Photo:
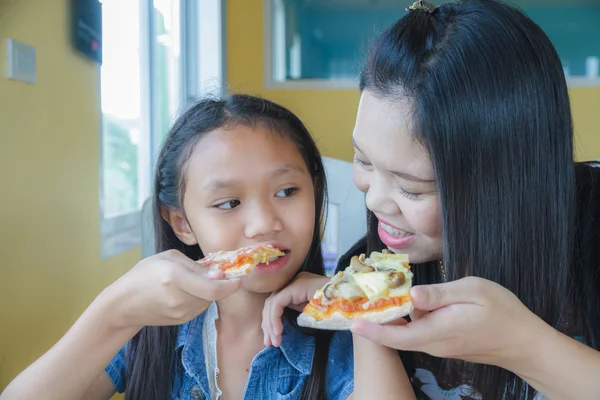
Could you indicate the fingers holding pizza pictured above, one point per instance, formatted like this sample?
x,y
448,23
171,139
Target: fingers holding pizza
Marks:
x,y
295,296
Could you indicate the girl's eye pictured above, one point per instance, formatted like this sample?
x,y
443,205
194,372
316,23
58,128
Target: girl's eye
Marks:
x,y
228,205
410,195
361,162
287,192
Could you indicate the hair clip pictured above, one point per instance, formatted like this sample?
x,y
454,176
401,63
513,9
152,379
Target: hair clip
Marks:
x,y
422,5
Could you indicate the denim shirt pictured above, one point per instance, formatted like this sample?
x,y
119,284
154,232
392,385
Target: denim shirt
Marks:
x,y
275,373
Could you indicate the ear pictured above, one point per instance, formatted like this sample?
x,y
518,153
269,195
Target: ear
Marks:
x,y
180,226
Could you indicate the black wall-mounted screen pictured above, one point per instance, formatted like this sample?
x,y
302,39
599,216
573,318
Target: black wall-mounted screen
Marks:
x,y
86,20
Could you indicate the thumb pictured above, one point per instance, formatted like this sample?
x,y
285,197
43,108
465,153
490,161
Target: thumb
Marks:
x,y
394,336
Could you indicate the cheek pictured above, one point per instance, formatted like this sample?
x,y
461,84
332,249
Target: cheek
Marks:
x,y
425,218
360,179
211,239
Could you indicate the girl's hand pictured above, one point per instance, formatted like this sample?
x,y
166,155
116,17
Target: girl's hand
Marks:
x,y
471,319
165,289
295,296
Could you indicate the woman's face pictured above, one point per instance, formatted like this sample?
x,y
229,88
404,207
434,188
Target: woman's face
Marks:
x,y
395,172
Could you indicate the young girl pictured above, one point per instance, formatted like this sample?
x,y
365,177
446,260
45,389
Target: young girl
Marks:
x,y
464,147
231,173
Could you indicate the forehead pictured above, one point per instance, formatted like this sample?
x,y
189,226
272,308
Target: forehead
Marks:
x,y
384,133
241,152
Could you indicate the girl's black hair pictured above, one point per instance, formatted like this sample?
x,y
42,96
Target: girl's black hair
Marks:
x,y
491,107
152,356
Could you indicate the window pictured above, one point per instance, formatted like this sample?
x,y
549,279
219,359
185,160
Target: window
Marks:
x,y
151,67
321,44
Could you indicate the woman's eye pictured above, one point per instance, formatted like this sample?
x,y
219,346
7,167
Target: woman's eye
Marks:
x,y
287,192
361,162
228,205
410,195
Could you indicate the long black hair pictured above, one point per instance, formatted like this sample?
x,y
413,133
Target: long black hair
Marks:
x,y
491,107
152,353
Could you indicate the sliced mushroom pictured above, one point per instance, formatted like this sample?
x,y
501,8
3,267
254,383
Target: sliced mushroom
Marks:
x,y
329,291
396,279
386,251
358,266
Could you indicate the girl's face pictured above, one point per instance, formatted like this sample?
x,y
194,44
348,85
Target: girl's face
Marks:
x,y
245,186
396,174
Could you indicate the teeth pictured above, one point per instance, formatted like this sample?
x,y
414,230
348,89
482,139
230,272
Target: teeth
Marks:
x,y
273,258
394,231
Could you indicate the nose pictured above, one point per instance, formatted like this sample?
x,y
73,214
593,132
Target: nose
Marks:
x,y
379,198
262,220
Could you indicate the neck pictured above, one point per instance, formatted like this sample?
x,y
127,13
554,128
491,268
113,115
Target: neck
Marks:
x,y
242,312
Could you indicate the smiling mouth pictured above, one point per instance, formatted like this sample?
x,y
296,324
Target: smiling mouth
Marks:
x,y
394,231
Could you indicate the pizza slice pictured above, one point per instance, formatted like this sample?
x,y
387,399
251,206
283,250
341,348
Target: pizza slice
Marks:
x,y
374,289
237,263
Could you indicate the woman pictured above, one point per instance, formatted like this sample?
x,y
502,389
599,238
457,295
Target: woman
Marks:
x,y
464,148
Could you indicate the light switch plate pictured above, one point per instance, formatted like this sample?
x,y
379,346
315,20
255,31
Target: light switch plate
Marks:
x,y
21,61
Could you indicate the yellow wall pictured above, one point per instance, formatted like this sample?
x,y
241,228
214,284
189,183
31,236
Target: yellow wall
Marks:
x,y
49,211
329,114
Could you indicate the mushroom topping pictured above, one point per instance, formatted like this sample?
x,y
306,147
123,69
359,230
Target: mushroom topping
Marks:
x,y
359,266
329,291
364,260
386,251
396,279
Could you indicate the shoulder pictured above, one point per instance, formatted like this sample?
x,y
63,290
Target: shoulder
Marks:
x,y
340,366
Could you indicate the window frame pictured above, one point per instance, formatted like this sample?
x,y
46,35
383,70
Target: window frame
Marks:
x,y
335,83
124,232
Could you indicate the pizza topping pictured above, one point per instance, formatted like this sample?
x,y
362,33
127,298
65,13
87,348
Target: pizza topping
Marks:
x,y
344,290
349,291
373,284
329,291
358,264
395,279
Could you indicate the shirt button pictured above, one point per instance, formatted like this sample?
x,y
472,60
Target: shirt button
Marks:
x,y
196,393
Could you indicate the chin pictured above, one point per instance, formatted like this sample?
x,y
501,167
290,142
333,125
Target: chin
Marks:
x,y
415,257
259,285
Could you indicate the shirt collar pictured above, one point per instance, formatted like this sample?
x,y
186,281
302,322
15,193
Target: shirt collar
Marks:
x,y
297,347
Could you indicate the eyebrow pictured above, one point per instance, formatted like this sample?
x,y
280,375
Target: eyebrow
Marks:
x,y
226,184
402,175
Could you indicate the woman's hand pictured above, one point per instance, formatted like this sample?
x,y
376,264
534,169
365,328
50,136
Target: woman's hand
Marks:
x,y
471,319
165,289
296,295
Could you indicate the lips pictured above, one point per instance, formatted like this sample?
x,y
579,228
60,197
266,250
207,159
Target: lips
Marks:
x,y
394,237
393,230
273,266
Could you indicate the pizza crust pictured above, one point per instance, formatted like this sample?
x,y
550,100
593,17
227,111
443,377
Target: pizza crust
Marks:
x,y
338,322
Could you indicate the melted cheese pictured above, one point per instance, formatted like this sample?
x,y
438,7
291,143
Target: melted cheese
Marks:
x,y
356,292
